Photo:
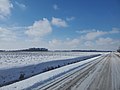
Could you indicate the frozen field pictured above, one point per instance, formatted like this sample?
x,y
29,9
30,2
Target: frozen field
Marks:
x,y
16,66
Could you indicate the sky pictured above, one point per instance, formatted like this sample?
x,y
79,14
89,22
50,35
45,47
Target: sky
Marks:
x,y
60,24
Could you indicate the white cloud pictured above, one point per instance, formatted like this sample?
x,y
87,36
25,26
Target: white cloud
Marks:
x,y
93,35
73,43
55,43
59,22
66,44
55,7
89,43
85,31
70,18
114,30
101,44
95,40
21,5
5,8
7,35
107,43
104,41
39,28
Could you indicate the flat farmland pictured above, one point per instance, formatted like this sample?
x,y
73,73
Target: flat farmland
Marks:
x,y
10,59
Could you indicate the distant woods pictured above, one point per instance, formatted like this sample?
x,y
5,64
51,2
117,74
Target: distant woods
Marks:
x,y
26,50
35,49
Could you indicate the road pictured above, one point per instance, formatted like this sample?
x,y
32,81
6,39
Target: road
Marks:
x,y
100,74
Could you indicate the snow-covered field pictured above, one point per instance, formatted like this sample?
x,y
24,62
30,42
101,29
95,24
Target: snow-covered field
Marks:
x,y
18,59
10,59
15,66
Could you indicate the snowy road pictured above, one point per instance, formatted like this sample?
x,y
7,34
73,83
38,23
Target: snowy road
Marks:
x,y
100,74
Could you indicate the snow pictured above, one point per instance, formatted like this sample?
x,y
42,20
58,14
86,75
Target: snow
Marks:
x,y
44,76
15,64
18,59
98,73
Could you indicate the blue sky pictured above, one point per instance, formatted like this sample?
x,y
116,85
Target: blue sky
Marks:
x,y
60,24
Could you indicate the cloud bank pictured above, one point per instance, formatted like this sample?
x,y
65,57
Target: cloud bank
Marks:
x,y
34,34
